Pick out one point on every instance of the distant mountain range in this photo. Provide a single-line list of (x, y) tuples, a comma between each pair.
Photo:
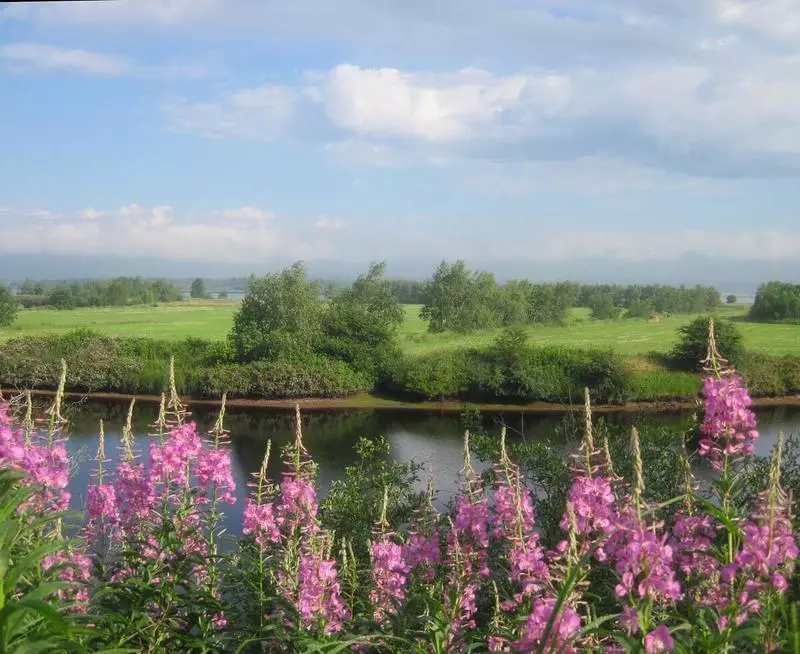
[(731, 276)]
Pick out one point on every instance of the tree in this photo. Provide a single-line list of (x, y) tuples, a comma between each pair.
[(198, 288), (692, 345), (776, 301), (223, 294), (455, 299), (603, 307), (9, 307), (280, 317), (731, 299), (361, 322), (61, 297)]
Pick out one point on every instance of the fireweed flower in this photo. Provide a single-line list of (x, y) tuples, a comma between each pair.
[(769, 549), (101, 509), (214, 468), (74, 568), (259, 520), (514, 524), (170, 460), (691, 541), (565, 628), (136, 496), (728, 426), (658, 640), (297, 506), (390, 573), (643, 559), (319, 593)]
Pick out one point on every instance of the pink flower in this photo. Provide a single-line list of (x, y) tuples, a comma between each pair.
[(389, 577), (729, 425), (320, 594), (565, 628), (214, 468), (658, 640), (170, 461), (259, 519)]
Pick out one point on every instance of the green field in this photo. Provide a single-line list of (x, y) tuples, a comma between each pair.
[(212, 320)]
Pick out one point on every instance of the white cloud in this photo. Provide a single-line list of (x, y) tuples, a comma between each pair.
[(261, 113), (247, 213), (776, 18), (324, 222), (91, 214), (39, 58), (228, 235), (753, 245), (47, 59), (434, 107)]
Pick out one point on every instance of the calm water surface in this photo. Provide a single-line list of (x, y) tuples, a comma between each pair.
[(433, 439)]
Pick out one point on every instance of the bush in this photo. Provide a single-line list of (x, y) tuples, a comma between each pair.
[(776, 301), (692, 345), (9, 307), (510, 371)]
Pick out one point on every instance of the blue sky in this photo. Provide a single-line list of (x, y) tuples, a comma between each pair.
[(243, 131)]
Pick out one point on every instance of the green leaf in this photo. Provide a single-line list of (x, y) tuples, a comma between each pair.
[(51, 616), (31, 560)]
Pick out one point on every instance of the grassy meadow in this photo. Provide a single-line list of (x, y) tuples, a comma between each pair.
[(212, 319)]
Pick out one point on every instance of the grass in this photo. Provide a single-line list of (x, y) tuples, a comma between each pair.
[(174, 321), (213, 319), (630, 337)]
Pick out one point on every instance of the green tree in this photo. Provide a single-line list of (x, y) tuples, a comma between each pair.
[(513, 301), (692, 345), (603, 307), (198, 288), (361, 322), (9, 307), (455, 299), (776, 301), (61, 297), (280, 317), (731, 299)]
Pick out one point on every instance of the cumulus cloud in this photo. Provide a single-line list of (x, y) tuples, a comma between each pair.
[(706, 88), (324, 222), (262, 113), (247, 213), (687, 118), (245, 233), (47, 59), (164, 232)]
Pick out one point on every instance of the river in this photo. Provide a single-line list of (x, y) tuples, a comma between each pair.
[(433, 439)]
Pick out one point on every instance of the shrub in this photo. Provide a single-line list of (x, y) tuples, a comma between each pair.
[(776, 301), (9, 307), (692, 345)]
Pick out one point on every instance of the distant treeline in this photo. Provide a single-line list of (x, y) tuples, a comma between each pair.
[(118, 292), (459, 299)]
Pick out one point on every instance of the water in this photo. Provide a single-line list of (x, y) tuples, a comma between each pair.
[(433, 439)]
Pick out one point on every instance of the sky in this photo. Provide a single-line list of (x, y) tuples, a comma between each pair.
[(247, 134)]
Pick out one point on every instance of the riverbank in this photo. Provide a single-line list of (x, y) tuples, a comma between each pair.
[(366, 401)]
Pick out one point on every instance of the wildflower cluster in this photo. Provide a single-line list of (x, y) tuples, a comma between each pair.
[(148, 566)]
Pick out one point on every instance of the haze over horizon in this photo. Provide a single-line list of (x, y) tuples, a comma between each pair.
[(611, 140)]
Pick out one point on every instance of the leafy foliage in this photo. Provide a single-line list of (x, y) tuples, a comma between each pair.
[(9, 307), (198, 289), (775, 302), (280, 317), (692, 345)]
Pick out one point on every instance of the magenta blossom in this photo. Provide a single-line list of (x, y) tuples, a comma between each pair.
[(728, 425), (658, 640)]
